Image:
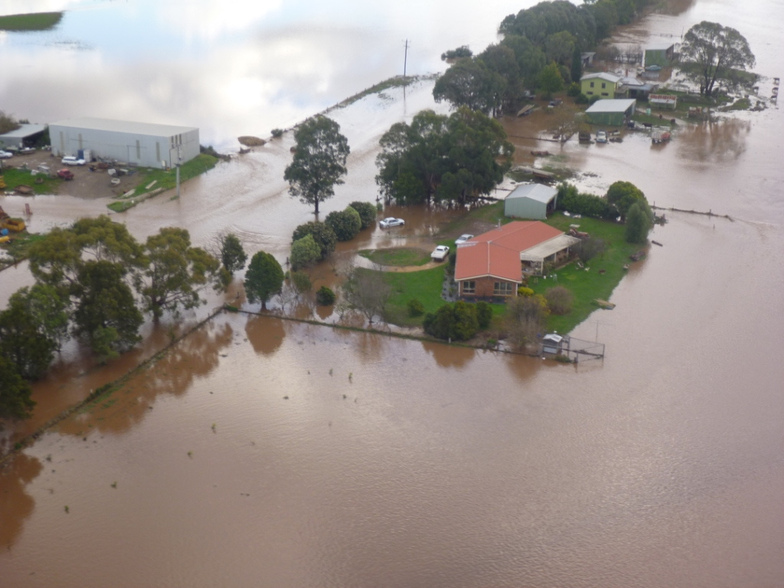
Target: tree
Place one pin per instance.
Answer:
(445, 159)
(263, 279)
(28, 332)
(304, 252)
(639, 221)
(58, 258)
(15, 400)
(106, 315)
(175, 272)
(715, 50)
(622, 195)
(232, 254)
(457, 321)
(550, 80)
(319, 161)
(367, 291)
(525, 319)
(346, 223)
(367, 213)
(588, 248)
(322, 234)
(469, 82)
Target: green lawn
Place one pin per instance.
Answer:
(589, 285)
(40, 183)
(398, 256)
(425, 286)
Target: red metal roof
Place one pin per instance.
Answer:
(497, 252)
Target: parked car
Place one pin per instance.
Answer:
(463, 239)
(601, 137)
(5, 154)
(391, 222)
(65, 174)
(440, 253)
(71, 160)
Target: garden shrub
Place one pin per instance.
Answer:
(304, 252)
(367, 213)
(325, 296)
(346, 223)
(415, 308)
(484, 314)
(456, 321)
(559, 300)
(322, 234)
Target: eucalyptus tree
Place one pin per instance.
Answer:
(714, 51)
(319, 162)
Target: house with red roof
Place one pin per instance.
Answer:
(493, 264)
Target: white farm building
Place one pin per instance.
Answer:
(136, 143)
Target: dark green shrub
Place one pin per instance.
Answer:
(304, 252)
(346, 223)
(367, 213)
(415, 307)
(277, 133)
(325, 296)
(323, 235)
(484, 314)
(574, 90)
(456, 321)
(584, 204)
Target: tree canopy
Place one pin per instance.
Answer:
(233, 256)
(622, 195)
(444, 159)
(469, 82)
(322, 234)
(319, 161)
(263, 279)
(15, 401)
(715, 50)
(175, 271)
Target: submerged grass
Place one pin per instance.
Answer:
(399, 256)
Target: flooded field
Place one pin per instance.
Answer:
(263, 452)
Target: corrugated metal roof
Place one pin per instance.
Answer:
(616, 105)
(608, 77)
(538, 192)
(497, 252)
(548, 248)
(123, 126)
(24, 131)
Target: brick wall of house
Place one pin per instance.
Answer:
(485, 288)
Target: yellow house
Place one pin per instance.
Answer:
(600, 84)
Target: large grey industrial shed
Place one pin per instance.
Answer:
(532, 201)
(136, 143)
(611, 112)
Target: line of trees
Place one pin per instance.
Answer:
(95, 282)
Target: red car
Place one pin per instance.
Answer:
(65, 174)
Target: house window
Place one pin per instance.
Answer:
(604, 85)
(591, 84)
(469, 287)
(503, 288)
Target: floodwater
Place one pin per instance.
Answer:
(263, 452)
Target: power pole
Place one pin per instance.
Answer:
(405, 61)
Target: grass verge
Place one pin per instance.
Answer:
(40, 183)
(424, 286)
(399, 256)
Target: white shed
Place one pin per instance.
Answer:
(144, 144)
(531, 201)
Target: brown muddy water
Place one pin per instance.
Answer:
(262, 452)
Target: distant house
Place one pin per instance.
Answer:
(532, 201)
(587, 58)
(630, 87)
(25, 135)
(611, 112)
(600, 84)
(492, 265)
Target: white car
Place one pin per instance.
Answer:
(439, 253)
(391, 222)
(463, 239)
(71, 160)
(601, 137)
(5, 154)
